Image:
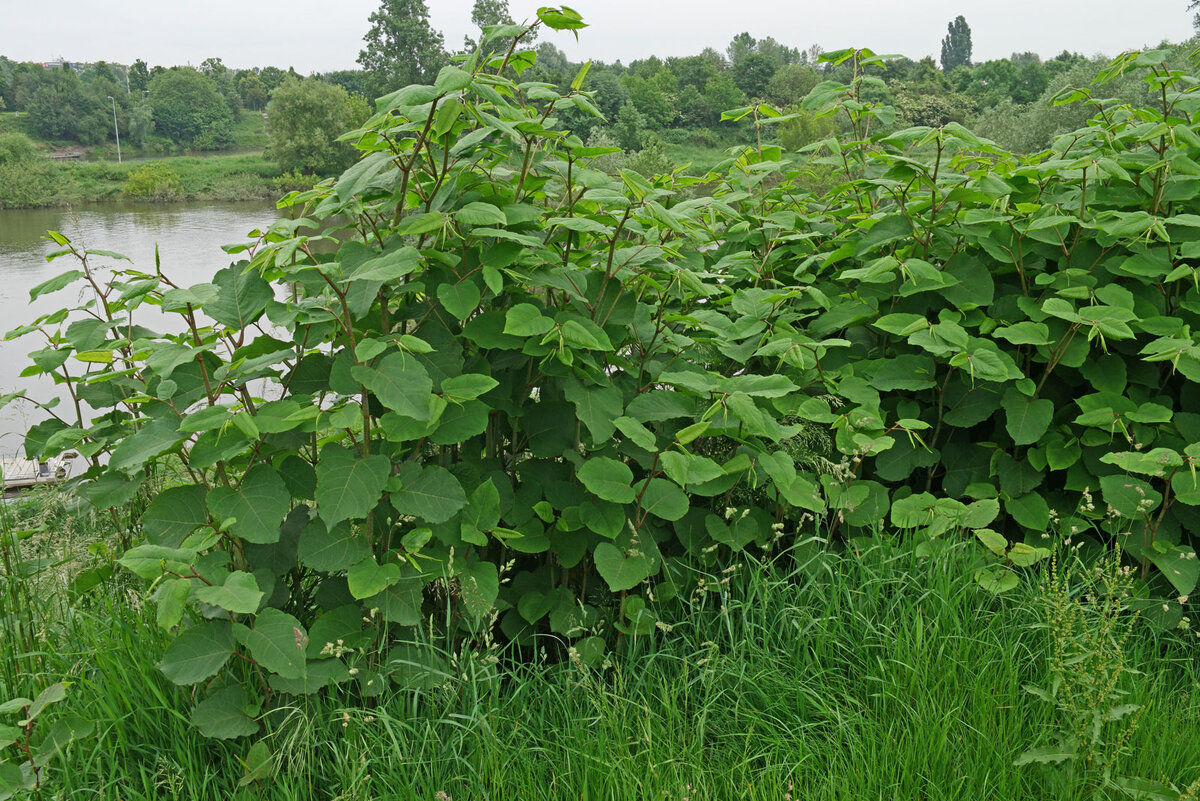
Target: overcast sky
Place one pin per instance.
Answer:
(320, 35)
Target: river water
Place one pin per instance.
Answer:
(188, 236)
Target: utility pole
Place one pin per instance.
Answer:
(115, 129)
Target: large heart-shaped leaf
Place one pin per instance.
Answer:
(348, 485)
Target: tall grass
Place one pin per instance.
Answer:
(871, 674)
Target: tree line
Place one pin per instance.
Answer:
(646, 103)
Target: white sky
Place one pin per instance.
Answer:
(321, 35)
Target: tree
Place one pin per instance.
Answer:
(141, 122)
(956, 47)
(305, 118)
(494, 12)
(752, 73)
(630, 128)
(139, 76)
(253, 91)
(189, 110)
(720, 94)
(271, 77)
(789, 85)
(805, 128)
(401, 46)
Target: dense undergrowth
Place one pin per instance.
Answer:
(869, 672)
(500, 402)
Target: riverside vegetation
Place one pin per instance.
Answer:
(487, 452)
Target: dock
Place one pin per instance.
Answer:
(24, 473)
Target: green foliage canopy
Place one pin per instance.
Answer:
(305, 118)
(189, 110)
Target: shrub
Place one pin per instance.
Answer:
(27, 178)
(306, 118)
(154, 181)
(508, 395)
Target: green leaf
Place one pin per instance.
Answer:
(277, 642)
(1029, 510)
(524, 320)
(171, 598)
(222, 715)
(1024, 333)
(1131, 497)
(479, 585)
(468, 386)
(198, 653)
(460, 299)
(331, 549)
(400, 382)
(151, 440)
(148, 561)
(1025, 419)
(608, 478)
(637, 433)
(992, 541)
(174, 514)
(451, 79)
(664, 499)
(1179, 565)
(348, 485)
(241, 297)
(388, 266)
(479, 213)
(54, 284)
(597, 407)
(430, 493)
(258, 505)
(239, 594)
(619, 570)
(368, 577)
(996, 579)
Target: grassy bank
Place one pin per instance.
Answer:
(235, 177)
(156, 171)
(870, 674)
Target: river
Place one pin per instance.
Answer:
(188, 237)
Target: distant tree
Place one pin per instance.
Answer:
(933, 110)
(6, 71)
(630, 128)
(779, 54)
(353, 81)
(926, 79)
(720, 94)
(60, 107)
(401, 46)
(695, 71)
(189, 110)
(100, 71)
(494, 12)
(141, 122)
(752, 72)
(956, 47)
(271, 77)
(740, 46)
(651, 97)
(789, 85)
(305, 118)
(606, 88)
(139, 76)
(213, 68)
(552, 66)
(253, 91)
(804, 129)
